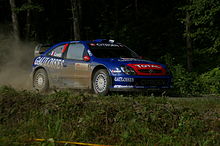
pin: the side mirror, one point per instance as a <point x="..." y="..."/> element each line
<point x="86" y="58"/>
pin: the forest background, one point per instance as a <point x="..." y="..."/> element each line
<point x="183" y="34"/>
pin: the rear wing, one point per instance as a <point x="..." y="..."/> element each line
<point x="40" y="49"/>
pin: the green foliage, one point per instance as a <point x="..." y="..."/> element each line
<point x="185" y="83"/>
<point x="192" y="84"/>
<point x="211" y="81"/>
<point x="29" y="6"/>
<point x="204" y="32"/>
<point x="115" y="120"/>
<point x="204" y="20"/>
<point x="148" y="28"/>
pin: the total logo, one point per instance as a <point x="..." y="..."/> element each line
<point x="148" y="66"/>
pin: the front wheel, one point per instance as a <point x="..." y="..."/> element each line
<point x="40" y="81"/>
<point x="101" y="82"/>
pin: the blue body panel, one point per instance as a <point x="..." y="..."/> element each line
<point x="55" y="68"/>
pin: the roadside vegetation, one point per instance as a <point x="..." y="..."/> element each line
<point x="194" y="84"/>
<point x="184" y="35"/>
<point x="114" y="120"/>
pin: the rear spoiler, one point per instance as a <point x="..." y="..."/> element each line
<point x="40" y="49"/>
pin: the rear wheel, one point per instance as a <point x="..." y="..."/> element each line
<point x="101" y="82"/>
<point x="40" y="81"/>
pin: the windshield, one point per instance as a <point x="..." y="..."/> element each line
<point x="101" y="50"/>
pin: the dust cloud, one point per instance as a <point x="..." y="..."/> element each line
<point x="15" y="62"/>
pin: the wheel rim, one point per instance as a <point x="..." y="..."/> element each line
<point x="100" y="83"/>
<point x="39" y="81"/>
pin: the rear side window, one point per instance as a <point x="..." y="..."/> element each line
<point x="57" y="52"/>
<point x="75" y="51"/>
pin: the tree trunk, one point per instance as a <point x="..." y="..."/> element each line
<point x="76" y="8"/>
<point x="136" y="9"/>
<point x="116" y="32"/>
<point x="14" y="17"/>
<point x="189" y="44"/>
<point x="28" y="21"/>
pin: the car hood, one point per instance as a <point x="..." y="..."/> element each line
<point x="125" y="61"/>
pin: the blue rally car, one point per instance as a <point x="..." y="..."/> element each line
<point x="101" y="65"/>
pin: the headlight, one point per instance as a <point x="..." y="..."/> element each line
<point x="128" y="70"/>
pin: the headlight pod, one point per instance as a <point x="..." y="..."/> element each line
<point x="128" y="70"/>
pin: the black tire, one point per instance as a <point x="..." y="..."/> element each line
<point x="41" y="81"/>
<point x="101" y="82"/>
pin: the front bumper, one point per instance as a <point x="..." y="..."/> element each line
<point x="127" y="83"/>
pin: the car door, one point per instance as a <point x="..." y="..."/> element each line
<point x="54" y="63"/>
<point x="75" y="72"/>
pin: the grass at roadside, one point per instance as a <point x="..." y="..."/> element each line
<point x="114" y="120"/>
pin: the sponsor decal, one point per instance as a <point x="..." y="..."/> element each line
<point x="92" y="44"/>
<point x="148" y="69"/>
<point x="128" y="59"/>
<point x="116" y="71"/>
<point x="139" y="87"/>
<point x="55" y="54"/>
<point x="123" y="79"/>
<point x="49" y="62"/>
<point x="148" y="66"/>
<point x="107" y="45"/>
<point x="82" y="66"/>
<point x="89" y="52"/>
<point x="123" y="86"/>
<point x="52" y="53"/>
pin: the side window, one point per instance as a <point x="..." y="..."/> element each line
<point x="57" y="52"/>
<point x="75" y="51"/>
